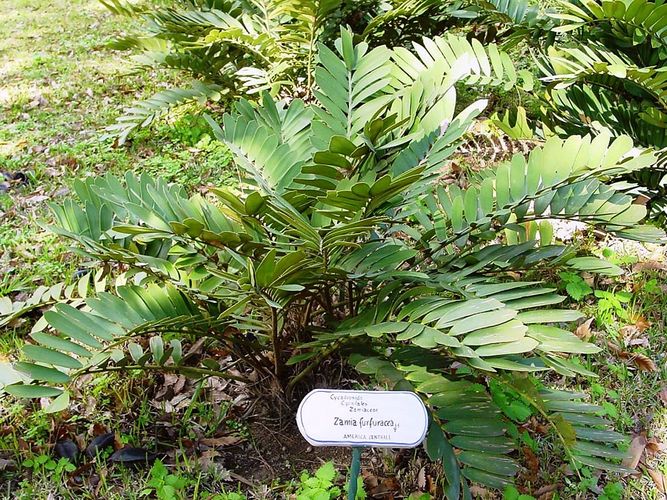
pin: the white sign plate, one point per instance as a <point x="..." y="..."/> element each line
<point x="381" y="419"/>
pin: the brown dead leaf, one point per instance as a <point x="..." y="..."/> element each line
<point x="641" y="322"/>
<point x="370" y="480"/>
<point x="479" y="492"/>
<point x="7" y="464"/>
<point x="172" y="386"/>
<point x="629" y="332"/>
<point x="649" y="265"/>
<point x="432" y="485"/>
<point x="635" y="452"/>
<point x="532" y="462"/>
<point x="663" y="395"/>
<point x="658" y="479"/>
<point x="98" y="429"/>
<point x="386" y="489"/>
<point x="195" y="348"/>
<point x="653" y="446"/>
<point x="632" y="334"/>
<point x="221" y="441"/>
<point x="548" y="489"/>
<point x="583" y="331"/>
<point x="421" y="478"/>
<point x="641" y="361"/>
<point x="643" y="342"/>
<point x="533" y="425"/>
<point x="207" y="458"/>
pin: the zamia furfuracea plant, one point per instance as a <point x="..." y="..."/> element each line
<point x="234" y="48"/>
<point x="607" y="74"/>
<point x="340" y="242"/>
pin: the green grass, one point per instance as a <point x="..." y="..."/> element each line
<point x="59" y="87"/>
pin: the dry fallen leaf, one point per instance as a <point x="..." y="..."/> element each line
<point x="221" y="441"/>
<point x="629" y="332"/>
<point x="641" y="322"/>
<point x="479" y="492"/>
<point x="641" y="361"/>
<point x="370" y="480"/>
<point x="659" y="480"/>
<point x="548" y="489"/>
<point x="421" y="478"/>
<point x="386" y="489"/>
<point x="7" y="464"/>
<point x="583" y="331"/>
<point x="653" y="446"/>
<point x="637" y="342"/>
<point x="173" y="384"/>
<point x="532" y="462"/>
<point x="649" y="265"/>
<point x="207" y="458"/>
<point x="663" y="395"/>
<point x="635" y="452"/>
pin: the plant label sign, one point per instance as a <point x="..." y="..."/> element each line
<point x="381" y="419"/>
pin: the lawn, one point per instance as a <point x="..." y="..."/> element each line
<point x="60" y="86"/>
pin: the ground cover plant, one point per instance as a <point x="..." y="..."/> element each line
<point x="338" y="241"/>
<point x="346" y="238"/>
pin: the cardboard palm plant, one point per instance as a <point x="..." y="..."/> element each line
<point x="340" y="242"/>
<point x="608" y="74"/>
<point x="237" y="48"/>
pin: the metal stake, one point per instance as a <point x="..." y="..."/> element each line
<point x="354" y="473"/>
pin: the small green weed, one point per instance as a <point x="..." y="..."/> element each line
<point x="510" y="402"/>
<point x="612" y="491"/>
<point x="511" y="493"/>
<point x="611" y="306"/>
<point x="44" y="464"/>
<point x="320" y="486"/>
<point x="618" y="259"/>
<point x="229" y="496"/>
<point x="589" y="483"/>
<point x="575" y="286"/>
<point x="163" y="485"/>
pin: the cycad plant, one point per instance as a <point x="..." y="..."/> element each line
<point x="608" y="74"/>
<point x="340" y="242"/>
<point x="229" y="48"/>
<point x="236" y="48"/>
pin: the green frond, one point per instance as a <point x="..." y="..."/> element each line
<point x="471" y="62"/>
<point x="585" y="109"/>
<point x="271" y="142"/>
<point x="94" y="337"/>
<point x="124" y="8"/>
<point x="74" y="294"/>
<point x="469" y="432"/>
<point x="144" y="113"/>
<point x="600" y="67"/>
<point x="522" y="13"/>
<point x="556" y="181"/>
<point x="402" y="10"/>
<point x="352" y="85"/>
<point x="632" y="21"/>
<point x="516" y="127"/>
